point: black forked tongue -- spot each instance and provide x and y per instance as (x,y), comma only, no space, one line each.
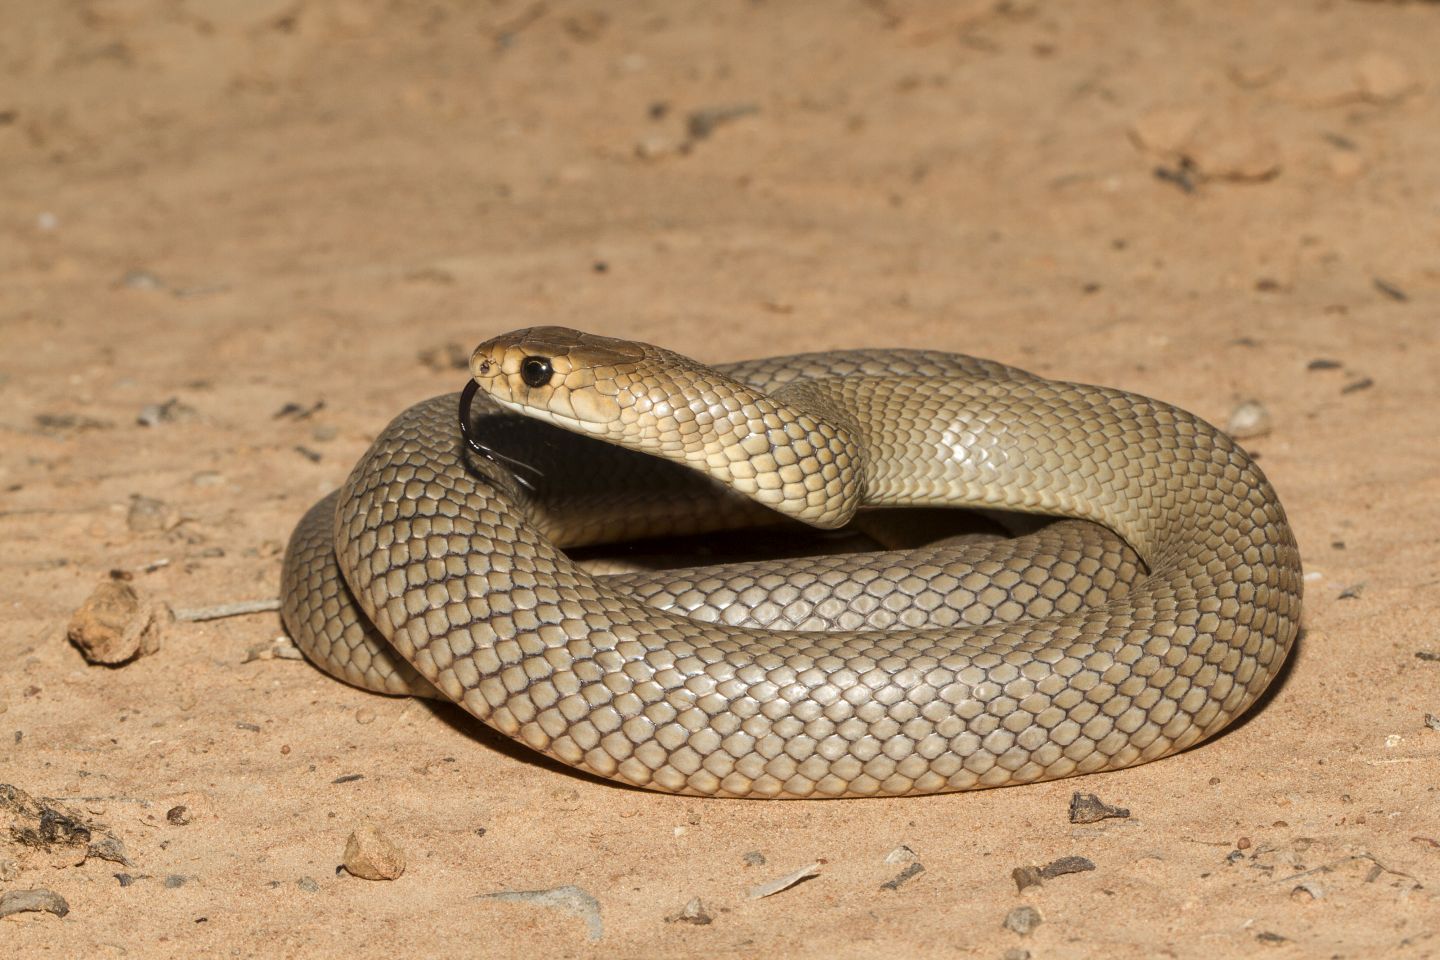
(480,449)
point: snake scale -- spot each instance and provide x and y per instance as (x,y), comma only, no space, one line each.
(441,570)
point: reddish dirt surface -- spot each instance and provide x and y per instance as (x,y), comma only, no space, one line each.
(239,206)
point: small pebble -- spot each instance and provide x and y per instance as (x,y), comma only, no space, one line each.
(1059,868)
(1026,877)
(148,515)
(116,624)
(370,855)
(693,912)
(179,816)
(109,848)
(901,854)
(1249,419)
(1307,892)
(364,715)
(307,884)
(1023,920)
(33,901)
(1088,808)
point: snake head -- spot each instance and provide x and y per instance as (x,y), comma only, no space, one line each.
(579,381)
(660,403)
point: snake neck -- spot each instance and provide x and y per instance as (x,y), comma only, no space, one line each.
(805,463)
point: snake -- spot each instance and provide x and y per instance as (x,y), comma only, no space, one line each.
(1155,612)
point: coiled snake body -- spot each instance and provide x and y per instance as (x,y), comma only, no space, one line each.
(856,675)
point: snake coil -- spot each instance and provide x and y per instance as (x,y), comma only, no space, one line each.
(867,674)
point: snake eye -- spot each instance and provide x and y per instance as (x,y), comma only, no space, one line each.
(536,371)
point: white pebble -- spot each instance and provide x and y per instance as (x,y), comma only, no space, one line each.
(1249,419)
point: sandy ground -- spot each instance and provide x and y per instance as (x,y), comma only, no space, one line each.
(214,209)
